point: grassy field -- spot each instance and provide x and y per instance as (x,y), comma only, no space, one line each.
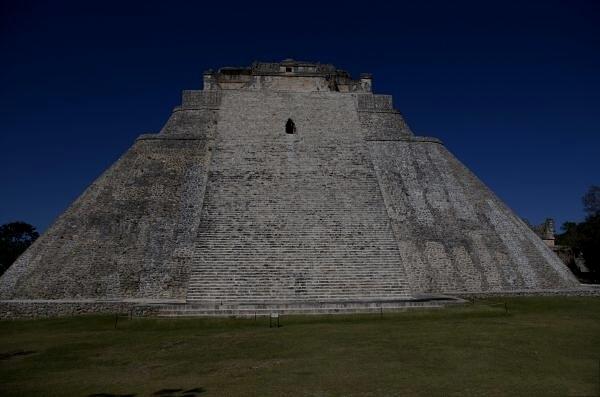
(540,347)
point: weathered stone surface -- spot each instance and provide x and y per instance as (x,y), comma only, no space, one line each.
(125,237)
(453,233)
(224,206)
(12,309)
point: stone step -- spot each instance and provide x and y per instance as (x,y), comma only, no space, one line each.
(278,246)
(293,233)
(279,294)
(276,284)
(235,297)
(316,259)
(224,280)
(298,274)
(263,313)
(250,309)
(301,246)
(302,262)
(327,276)
(315,291)
(277,275)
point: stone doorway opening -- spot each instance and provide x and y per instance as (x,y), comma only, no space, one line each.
(290,127)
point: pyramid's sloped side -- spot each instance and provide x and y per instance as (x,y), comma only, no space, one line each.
(121,238)
(453,233)
(197,122)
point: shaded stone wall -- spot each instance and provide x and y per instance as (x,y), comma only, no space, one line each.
(198,114)
(200,123)
(52,308)
(379,120)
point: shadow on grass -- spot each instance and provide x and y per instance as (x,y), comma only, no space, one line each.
(16,353)
(110,395)
(179,392)
(161,393)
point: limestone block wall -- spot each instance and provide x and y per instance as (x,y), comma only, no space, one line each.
(126,235)
(199,122)
(374,102)
(200,99)
(289,83)
(379,120)
(453,233)
(197,115)
(383,126)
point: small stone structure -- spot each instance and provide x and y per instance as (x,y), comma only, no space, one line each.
(574,260)
(227,210)
(545,231)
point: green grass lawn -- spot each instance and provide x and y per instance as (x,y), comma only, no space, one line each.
(541,347)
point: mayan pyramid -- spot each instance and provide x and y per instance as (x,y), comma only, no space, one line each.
(280,184)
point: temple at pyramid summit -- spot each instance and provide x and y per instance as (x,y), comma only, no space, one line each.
(280,187)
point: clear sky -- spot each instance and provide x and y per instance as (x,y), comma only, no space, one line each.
(511,87)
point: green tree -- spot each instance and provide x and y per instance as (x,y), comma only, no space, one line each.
(15,237)
(570,236)
(588,233)
(591,201)
(584,237)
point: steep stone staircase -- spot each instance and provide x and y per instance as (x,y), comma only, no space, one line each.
(291,218)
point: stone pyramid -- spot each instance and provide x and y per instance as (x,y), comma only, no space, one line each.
(279,184)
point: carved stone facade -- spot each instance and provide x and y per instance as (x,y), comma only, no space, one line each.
(224,208)
(288,75)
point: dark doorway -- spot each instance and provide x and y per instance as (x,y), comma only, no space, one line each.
(290,127)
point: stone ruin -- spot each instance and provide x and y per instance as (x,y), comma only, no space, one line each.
(545,231)
(572,258)
(229,210)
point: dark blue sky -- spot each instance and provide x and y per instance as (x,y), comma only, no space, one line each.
(512,88)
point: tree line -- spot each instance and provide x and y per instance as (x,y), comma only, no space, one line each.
(584,237)
(15,238)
